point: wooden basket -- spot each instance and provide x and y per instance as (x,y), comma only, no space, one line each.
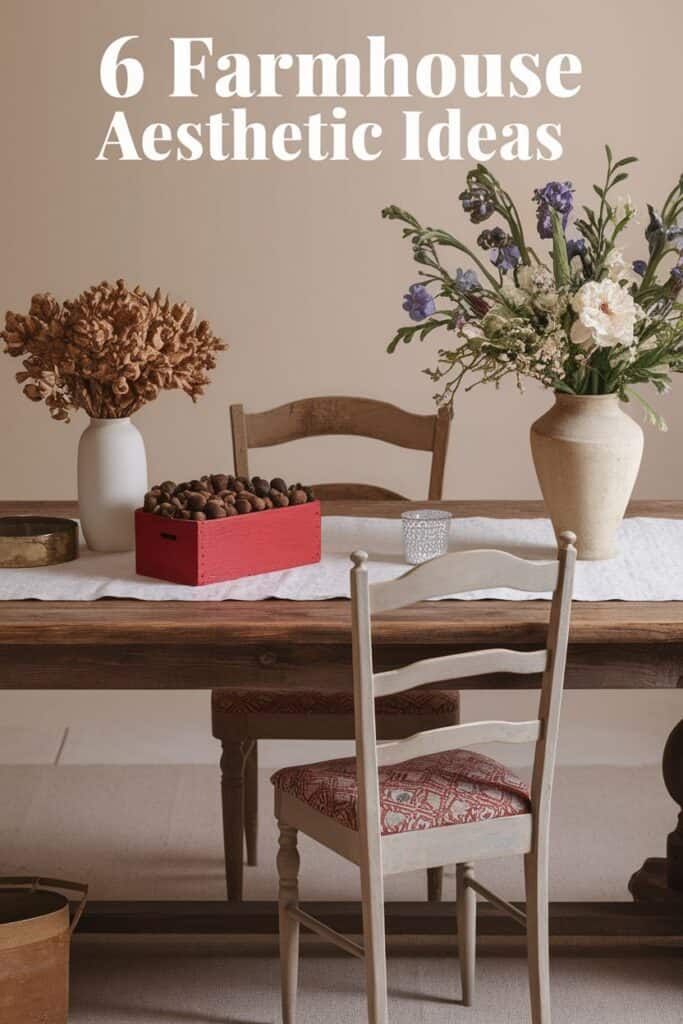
(183,551)
(35,937)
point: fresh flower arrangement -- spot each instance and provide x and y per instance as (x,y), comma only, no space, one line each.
(586,323)
(109,351)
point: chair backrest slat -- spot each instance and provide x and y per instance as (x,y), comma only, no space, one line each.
(458,666)
(341,415)
(436,741)
(460,572)
(453,574)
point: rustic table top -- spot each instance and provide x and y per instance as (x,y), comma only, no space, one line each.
(328,622)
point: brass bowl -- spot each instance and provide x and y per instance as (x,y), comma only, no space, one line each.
(30,541)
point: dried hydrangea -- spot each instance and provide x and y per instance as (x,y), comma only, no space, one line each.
(109,351)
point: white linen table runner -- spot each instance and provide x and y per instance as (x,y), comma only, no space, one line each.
(649,566)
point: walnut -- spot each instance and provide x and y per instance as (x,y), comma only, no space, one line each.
(203,499)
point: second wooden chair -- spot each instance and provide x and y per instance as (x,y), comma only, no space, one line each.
(411,803)
(241,716)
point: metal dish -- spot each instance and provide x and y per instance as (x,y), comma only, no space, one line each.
(30,541)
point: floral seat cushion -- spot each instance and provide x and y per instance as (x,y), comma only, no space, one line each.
(315,702)
(453,788)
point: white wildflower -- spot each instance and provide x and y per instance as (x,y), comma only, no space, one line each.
(625,209)
(513,295)
(470,331)
(550,302)
(535,279)
(619,269)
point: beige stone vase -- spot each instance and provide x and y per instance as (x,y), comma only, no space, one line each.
(587,454)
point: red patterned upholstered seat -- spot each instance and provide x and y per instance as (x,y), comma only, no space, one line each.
(314,702)
(453,788)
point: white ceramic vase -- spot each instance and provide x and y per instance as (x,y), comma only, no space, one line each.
(112,480)
(587,454)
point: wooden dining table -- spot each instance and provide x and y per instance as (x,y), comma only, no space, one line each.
(123,644)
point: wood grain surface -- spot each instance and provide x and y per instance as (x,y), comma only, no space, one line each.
(136,644)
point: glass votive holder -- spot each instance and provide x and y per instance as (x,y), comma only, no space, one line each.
(425,534)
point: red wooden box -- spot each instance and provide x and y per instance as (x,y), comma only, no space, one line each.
(183,551)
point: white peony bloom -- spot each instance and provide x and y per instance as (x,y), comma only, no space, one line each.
(620,269)
(606,315)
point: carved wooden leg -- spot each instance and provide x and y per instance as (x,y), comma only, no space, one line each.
(232,795)
(661,879)
(288,896)
(672,766)
(251,803)
(434,884)
(538,941)
(466,909)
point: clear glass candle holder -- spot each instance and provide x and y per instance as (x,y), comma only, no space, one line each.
(425,534)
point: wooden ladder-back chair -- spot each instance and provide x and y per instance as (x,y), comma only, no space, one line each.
(342,416)
(372,809)
(241,717)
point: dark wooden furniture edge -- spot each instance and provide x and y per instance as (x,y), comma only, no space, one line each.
(663,508)
(592,925)
(125,626)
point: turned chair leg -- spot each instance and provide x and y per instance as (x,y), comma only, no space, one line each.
(466,909)
(251,803)
(538,940)
(288,896)
(434,885)
(232,796)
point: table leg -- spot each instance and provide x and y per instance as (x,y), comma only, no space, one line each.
(232,795)
(251,803)
(661,878)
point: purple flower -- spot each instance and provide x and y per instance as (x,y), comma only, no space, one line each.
(639,267)
(677,276)
(478,203)
(576,247)
(506,258)
(466,280)
(556,195)
(418,303)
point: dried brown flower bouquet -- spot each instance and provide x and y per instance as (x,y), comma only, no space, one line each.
(109,351)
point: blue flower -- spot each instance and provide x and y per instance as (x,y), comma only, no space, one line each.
(506,258)
(639,267)
(466,280)
(576,247)
(418,303)
(478,203)
(556,195)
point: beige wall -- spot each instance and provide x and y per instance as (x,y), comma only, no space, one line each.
(291,263)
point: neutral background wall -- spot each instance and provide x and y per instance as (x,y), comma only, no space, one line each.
(291,263)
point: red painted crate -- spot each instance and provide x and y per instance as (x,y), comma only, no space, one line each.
(183,551)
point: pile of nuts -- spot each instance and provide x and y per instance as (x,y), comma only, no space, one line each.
(220,495)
